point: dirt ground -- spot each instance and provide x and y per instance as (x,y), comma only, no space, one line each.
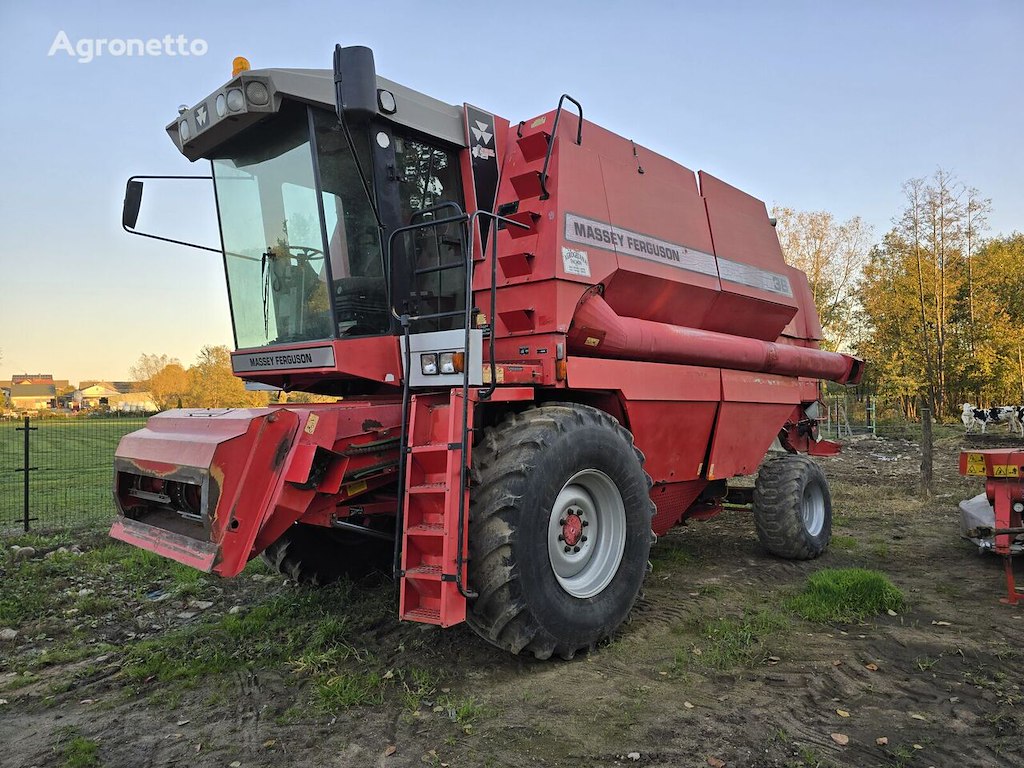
(940,680)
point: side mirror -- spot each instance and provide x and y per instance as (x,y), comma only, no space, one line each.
(132,203)
(355,83)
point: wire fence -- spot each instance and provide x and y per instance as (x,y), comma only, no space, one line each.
(69,464)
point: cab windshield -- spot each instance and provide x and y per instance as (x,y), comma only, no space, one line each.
(276,230)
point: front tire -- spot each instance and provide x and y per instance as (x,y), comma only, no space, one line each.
(559,530)
(793,507)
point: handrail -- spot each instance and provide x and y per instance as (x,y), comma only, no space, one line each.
(544,195)
(406,320)
(434,208)
(485,394)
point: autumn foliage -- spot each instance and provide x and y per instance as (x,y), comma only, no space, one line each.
(936,307)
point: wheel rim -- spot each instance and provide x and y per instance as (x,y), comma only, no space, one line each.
(587,533)
(812,509)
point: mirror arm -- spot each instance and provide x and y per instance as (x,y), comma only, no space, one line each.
(132,231)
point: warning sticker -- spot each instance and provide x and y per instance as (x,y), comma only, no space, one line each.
(355,488)
(575,262)
(1005,470)
(975,464)
(311,423)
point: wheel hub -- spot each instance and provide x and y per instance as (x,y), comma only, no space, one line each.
(572,529)
(586,533)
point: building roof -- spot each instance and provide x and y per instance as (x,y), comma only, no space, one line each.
(34,378)
(33,390)
(98,390)
(124,387)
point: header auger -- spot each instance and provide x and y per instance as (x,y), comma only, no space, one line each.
(549,345)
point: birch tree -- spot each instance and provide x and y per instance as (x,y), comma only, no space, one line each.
(832,253)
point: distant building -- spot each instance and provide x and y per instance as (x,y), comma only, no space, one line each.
(32,397)
(94,394)
(39,378)
(115,395)
(40,391)
(124,387)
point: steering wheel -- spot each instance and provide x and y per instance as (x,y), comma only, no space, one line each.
(305,252)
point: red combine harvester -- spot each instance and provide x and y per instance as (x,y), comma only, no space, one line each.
(548,344)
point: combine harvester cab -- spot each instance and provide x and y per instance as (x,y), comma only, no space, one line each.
(545,345)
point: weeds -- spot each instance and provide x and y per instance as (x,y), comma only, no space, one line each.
(844,543)
(77,751)
(348,689)
(666,555)
(733,642)
(418,684)
(289,628)
(463,711)
(845,595)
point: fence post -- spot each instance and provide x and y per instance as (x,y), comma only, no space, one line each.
(26,469)
(926,450)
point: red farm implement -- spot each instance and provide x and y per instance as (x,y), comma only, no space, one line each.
(994,520)
(548,345)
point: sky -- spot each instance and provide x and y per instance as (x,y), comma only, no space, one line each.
(814,105)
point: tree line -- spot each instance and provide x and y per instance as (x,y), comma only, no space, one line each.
(208,383)
(936,306)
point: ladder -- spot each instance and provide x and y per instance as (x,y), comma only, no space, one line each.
(434,530)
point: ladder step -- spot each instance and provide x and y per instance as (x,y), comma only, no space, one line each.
(429,448)
(527,185)
(429,488)
(424,615)
(534,146)
(426,529)
(425,572)
(528,218)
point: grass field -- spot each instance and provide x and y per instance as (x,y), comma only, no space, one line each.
(890,650)
(75,459)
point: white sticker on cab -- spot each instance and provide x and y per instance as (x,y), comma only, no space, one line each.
(575,262)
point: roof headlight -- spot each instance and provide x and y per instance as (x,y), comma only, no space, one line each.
(183,131)
(221,105)
(257,93)
(236,102)
(386,100)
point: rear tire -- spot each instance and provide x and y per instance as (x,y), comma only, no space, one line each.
(317,556)
(793,507)
(553,478)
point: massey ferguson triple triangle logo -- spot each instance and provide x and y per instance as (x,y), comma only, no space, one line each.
(482,133)
(483,145)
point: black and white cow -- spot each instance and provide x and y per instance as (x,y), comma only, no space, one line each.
(1018,413)
(1011,415)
